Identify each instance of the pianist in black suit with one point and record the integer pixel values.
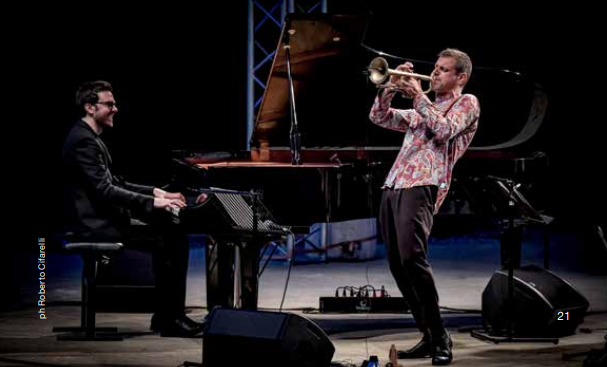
(98, 207)
(437, 133)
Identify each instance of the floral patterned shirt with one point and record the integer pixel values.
(436, 135)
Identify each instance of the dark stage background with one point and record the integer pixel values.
(180, 75)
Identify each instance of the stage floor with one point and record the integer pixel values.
(25, 340)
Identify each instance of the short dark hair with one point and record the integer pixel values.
(87, 92)
(463, 64)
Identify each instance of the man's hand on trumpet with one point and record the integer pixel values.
(409, 85)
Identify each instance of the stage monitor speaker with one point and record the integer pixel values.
(234, 337)
(544, 304)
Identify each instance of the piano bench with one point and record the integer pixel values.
(92, 253)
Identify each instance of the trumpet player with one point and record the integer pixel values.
(437, 133)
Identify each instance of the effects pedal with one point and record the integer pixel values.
(365, 299)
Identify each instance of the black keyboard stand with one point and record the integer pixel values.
(247, 263)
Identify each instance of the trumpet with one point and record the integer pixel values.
(379, 72)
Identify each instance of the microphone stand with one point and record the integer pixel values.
(294, 135)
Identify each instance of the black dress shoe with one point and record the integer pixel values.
(192, 323)
(179, 327)
(441, 350)
(423, 349)
(158, 322)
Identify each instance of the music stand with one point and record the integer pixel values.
(517, 204)
(508, 189)
(245, 210)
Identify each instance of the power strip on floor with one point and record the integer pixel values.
(363, 305)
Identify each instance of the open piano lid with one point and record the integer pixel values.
(329, 85)
(333, 95)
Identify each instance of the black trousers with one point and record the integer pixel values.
(406, 218)
(170, 254)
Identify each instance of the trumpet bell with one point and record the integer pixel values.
(378, 70)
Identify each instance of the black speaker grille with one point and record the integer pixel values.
(559, 293)
(268, 339)
(539, 297)
(247, 324)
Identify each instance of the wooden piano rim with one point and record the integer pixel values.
(266, 164)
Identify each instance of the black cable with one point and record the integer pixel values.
(337, 291)
(284, 293)
(365, 289)
(353, 291)
(267, 260)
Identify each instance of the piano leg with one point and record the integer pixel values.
(220, 273)
(249, 270)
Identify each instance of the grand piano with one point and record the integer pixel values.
(344, 157)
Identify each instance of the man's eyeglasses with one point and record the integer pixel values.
(108, 104)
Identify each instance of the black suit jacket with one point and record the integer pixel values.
(97, 204)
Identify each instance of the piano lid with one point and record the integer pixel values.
(329, 54)
(328, 82)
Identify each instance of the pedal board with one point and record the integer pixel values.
(363, 305)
